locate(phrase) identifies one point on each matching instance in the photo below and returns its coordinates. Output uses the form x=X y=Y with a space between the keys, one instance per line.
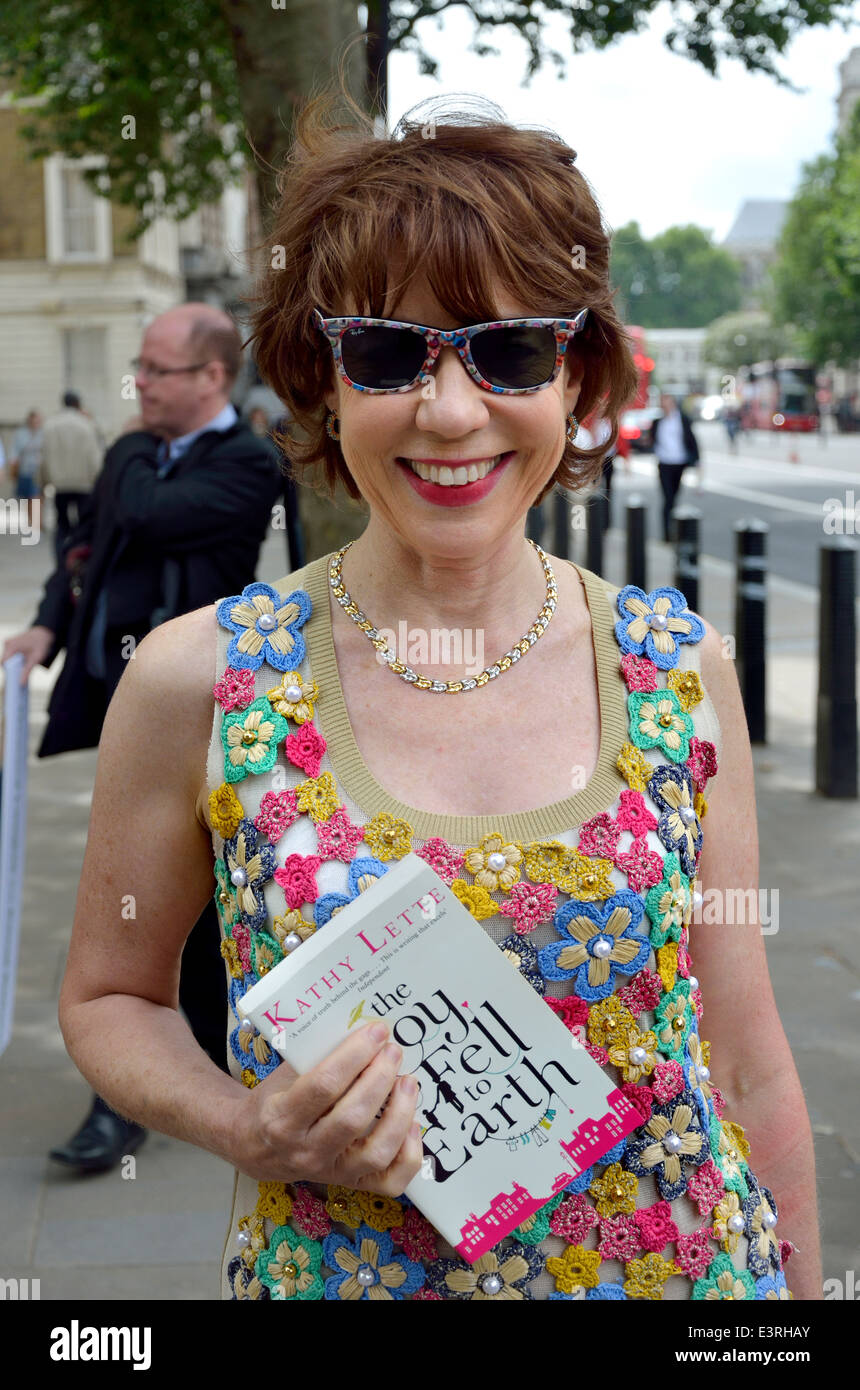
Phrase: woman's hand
x=323 y=1126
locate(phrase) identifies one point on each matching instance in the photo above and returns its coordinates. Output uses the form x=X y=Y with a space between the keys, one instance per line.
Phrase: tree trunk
x=282 y=56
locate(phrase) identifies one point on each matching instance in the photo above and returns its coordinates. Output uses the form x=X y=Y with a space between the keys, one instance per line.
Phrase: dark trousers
x=68 y=505
x=670 y=482
x=202 y=979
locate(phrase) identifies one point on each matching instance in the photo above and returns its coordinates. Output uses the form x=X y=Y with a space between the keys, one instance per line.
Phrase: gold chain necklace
x=405 y=672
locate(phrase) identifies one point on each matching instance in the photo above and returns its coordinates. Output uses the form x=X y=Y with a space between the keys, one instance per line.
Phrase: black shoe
x=102 y=1140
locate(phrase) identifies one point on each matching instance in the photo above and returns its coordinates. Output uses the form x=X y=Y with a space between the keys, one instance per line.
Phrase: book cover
x=512 y=1108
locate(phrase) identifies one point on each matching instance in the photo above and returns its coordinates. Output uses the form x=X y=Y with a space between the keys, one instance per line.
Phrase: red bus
x=779 y=396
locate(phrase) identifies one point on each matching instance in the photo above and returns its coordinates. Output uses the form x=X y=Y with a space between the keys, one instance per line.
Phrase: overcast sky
x=660 y=140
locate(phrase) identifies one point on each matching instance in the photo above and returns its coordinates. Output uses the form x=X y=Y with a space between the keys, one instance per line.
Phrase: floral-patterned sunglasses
x=509 y=356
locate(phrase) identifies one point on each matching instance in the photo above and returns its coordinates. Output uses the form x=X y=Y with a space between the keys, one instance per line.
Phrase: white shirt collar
x=224 y=420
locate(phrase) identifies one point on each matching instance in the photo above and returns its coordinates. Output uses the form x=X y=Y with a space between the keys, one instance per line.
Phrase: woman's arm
x=146 y=876
x=751 y=1061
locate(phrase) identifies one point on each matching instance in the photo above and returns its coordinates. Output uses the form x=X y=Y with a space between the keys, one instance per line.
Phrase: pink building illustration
x=596 y=1136
x=507 y=1210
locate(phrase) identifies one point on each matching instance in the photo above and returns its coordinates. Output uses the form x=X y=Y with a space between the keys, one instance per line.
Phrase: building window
x=78 y=221
x=85 y=368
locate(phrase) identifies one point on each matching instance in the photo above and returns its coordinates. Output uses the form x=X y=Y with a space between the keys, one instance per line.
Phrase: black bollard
x=687 y=523
x=836 y=718
x=636 y=560
x=750 y=622
x=595 y=524
x=561 y=525
x=534 y=524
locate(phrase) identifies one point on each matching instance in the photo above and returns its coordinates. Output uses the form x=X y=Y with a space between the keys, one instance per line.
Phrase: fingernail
x=379 y=1032
x=410 y=1086
x=394 y=1052
x=416 y=1131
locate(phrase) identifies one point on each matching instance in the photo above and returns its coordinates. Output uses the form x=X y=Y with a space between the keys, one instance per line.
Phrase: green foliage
x=816 y=279
x=206 y=79
x=738 y=340
x=167 y=64
x=679 y=279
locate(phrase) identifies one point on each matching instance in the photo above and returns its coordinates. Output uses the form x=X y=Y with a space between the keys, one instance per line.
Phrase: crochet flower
x=363 y=871
x=572 y=1011
x=244 y=1282
x=656 y=1226
x=687 y=686
x=673 y=1020
x=225 y=810
x=548 y=861
x=524 y=958
x=297 y=877
x=607 y=1019
x=671 y=1141
x=573 y=1218
x=252 y=1051
x=668 y=1081
x=640 y=1096
x=646 y=1278
x=667 y=965
x=728 y=1222
x=723 y=1282
x=380 y=1213
x=250 y=739
x=475 y=899
x=615 y=1191
x=494 y=863
x=706 y=1187
x=702 y=762
x=641 y=865
x=286 y=926
x=338 y=838
x=642 y=993
x=634 y=767
x=294 y=697
x=274 y=1203
x=265 y=953
x=234 y=690
x=416 y=1235
x=655 y=624
x=575 y=1269
x=530 y=904
x=729 y=1149
x=305 y=749
x=242 y=942
x=657 y=721
x=633 y=814
x=388 y=837
x=290 y=1265
x=499 y=1274
x=602 y=941
x=693 y=1253
x=309 y=1214
x=251 y=1238
x=587 y=879
x=599 y=837
x=318 y=797
x=226 y=900
x=266 y=627
x=230 y=955
x=619 y=1238
x=442 y=859
x=603 y=1292
x=760 y=1214
x=278 y=811
x=773 y=1288
x=535 y=1228
x=669 y=903
x=342 y=1205
x=696 y=1070
x=639 y=672
x=671 y=789
x=249 y=864
x=634 y=1053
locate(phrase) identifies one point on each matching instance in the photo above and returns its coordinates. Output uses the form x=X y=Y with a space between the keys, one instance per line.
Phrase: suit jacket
x=690 y=442
x=205 y=521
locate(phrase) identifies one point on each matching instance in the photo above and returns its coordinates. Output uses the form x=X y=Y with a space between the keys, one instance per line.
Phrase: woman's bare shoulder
x=178 y=658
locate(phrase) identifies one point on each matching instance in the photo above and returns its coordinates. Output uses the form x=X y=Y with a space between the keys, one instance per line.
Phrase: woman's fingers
x=355 y=1113
x=319 y=1090
x=374 y=1154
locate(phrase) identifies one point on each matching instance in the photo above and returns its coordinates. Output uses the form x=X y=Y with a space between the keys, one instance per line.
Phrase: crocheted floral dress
x=300 y=827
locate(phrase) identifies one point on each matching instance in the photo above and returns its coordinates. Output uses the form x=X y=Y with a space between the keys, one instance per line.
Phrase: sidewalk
x=160 y=1235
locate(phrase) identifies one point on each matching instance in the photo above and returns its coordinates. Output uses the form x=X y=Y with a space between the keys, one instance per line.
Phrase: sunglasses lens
x=515 y=358
x=381 y=357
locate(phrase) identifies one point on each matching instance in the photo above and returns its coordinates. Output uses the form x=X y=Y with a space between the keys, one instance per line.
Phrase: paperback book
x=512 y=1108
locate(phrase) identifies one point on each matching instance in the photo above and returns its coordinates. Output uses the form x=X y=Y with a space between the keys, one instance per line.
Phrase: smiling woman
x=442 y=315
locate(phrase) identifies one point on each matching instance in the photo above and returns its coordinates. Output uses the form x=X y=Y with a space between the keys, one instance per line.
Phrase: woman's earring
x=332 y=426
x=572 y=428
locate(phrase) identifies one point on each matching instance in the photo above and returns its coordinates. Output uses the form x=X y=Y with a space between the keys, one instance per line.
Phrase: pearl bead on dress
x=602 y=948
x=496 y=862
x=291 y=941
x=266 y=622
x=239 y=878
x=366 y=1275
x=293 y=694
x=735 y=1223
x=490 y=1284
x=672 y=1142
x=658 y=621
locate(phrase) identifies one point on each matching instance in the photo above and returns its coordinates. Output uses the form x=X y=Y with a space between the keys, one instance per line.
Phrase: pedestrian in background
x=674 y=443
x=176 y=518
x=26 y=462
x=72 y=457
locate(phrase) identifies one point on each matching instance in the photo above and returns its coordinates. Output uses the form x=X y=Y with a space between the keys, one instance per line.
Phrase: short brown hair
x=460 y=196
x=214 y=337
